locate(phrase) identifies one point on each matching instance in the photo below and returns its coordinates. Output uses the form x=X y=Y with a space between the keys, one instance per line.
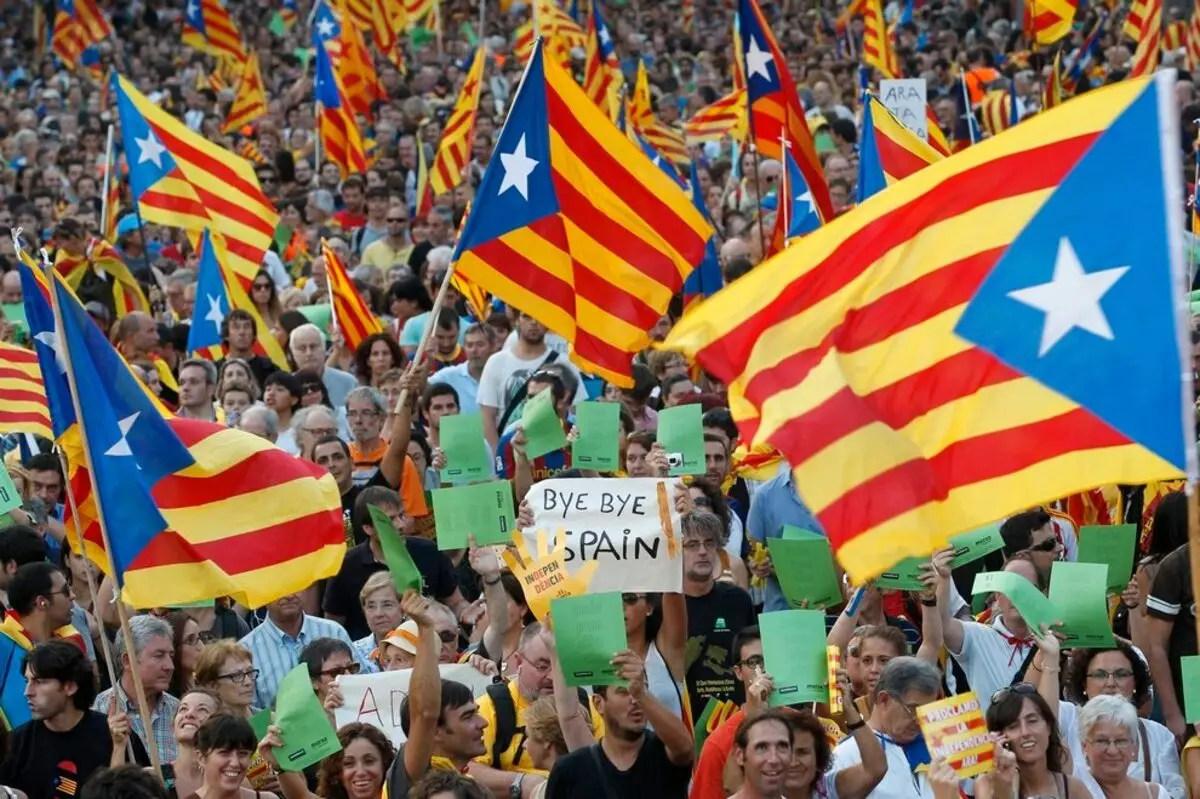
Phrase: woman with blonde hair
x=544 y=739
x=227 y=668
x=381 y=607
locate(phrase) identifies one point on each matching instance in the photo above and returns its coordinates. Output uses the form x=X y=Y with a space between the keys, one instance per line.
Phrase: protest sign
x=906 y=99
x=597 y=447
x=1031 y=603
x=375 y=699
x=955 y=730
x=543 y=572
x=303 y=725
x=484 y=510
x=466 y=452
x=405 y=574
x=794 y=652
x=1077 y=591
x=629 y=528
x=1113 y=545
x=969 y=546
x=1190 y=668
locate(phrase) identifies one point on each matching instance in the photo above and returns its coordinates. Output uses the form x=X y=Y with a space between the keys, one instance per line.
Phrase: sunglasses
x=1049 y=545
x=397 y=221
x=632 y=599
x=338 y=671
x=262 y=286
x=1020 y=689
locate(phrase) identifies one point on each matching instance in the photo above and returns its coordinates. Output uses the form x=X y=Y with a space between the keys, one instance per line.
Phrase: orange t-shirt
x=412 y=490
x=707 y=781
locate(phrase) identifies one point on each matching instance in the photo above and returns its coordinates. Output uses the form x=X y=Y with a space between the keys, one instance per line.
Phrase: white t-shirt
x=1164 y=757
x=898 y=782
x=988 y=660
x=553 y=341
x=505 y=373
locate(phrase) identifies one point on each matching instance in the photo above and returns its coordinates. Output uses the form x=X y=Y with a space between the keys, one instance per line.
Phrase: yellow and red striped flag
x=249 y=150
x=1174 y=35
x=664 y=138
x=476 y=298
x=1138 y=11
x=602 y=71
x=419 y=11
x=78 y=25
x=103 y=258
x=1047 y=21
x=937 y=139
x=1052 y=94
x=351 y=60
x=181 y=179
x=389 y=21
x=889 y=151
x=112 y=203
x=359 y=12
x=996 y=111
x=556 y=28
x=352 y=315
x=250 y=102
x=575 y=226
x=454 y=150
x=855 y=352
x=1148 y=52
x=209 y=28
x=247 y=520
x=1191 y=38
x=424 y=186
x=727 y=116
x=341 y=141
x=23 y=406
x=877 y=45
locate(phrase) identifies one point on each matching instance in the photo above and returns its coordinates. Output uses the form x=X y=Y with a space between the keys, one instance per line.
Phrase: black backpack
x=506 y=721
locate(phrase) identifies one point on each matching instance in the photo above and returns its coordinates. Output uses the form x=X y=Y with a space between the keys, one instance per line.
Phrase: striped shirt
x=162 y=721
x=276 y=653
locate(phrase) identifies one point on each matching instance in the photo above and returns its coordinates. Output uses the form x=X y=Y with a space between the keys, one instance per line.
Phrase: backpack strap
x=1145 y=750
x=521 y=394
x=506 y=720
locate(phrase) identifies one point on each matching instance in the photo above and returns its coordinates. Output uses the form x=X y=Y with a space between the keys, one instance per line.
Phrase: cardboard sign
x=906 y=99
x=628 y=528
x=375 y=699
x=955 y=730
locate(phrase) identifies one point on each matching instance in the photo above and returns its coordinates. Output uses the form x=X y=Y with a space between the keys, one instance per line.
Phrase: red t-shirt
x=349 y=220
x=707 y=782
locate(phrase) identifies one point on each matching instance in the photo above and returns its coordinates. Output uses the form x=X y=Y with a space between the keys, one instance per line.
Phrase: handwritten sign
x=906 y=99
x=375 y=699
x=955 y=730
x=629 y=528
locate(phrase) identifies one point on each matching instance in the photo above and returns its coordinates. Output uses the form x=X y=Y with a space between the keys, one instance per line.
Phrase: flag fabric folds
x=662 y=137
x=877 y=45
x=573 y=225
x=560 y=33
x=78 y=24
x=247 y=520
x=352 y=61
x=997 y=111
x=352 y=315
x=341 y=141
x=205 y=339
x=802 y=216
x=1138 y=11
x=1052 y=92
x=209 y=28
x=888 y=151
x=130 y=448
x=23 y=406
x=180 y=179
x=602 y=71
x=250 y=101
x=706 y=279
x=775 y=109
x=454 y=150
x=1191 y=38
x=1149 y=50
x=723 y=117
x=1047 y=21
x=102 y=258
x=934 y=359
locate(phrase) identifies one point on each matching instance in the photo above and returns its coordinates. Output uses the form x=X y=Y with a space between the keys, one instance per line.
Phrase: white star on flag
x=193 y=10
x=325 y=28
x=49 y=338
x=757 y=60
x=150 y=149
x=121 y=448
x=804 y=199
x=215 y=314
x=1071 y=299
x=517 y=168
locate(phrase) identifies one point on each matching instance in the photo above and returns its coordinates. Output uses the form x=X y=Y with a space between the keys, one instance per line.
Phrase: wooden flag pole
x=91 y=581
x=105 y=210
x=762 y=231
x=126 y=632
x=783 y=198
x=419 y=357
x=482 y=20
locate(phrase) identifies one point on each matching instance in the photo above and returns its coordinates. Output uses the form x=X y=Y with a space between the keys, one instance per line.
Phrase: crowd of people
x=1069 y=723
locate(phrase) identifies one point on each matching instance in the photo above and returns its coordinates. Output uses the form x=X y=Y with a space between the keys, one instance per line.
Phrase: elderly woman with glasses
x=1119 y=672
x=226 y=668
x=1109 y=731
x=381 y=608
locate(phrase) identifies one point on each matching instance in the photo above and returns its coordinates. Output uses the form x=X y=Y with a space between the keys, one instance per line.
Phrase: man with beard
x=630 y=761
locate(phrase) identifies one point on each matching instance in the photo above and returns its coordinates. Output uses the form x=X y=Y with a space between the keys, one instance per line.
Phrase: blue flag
x=212 y=302
x=706 y=279
x=130 y=446
x=802 y=216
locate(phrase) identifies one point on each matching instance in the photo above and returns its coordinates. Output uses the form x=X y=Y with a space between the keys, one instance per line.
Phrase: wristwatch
x=514 y=790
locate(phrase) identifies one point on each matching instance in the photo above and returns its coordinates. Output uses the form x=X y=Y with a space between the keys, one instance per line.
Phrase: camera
x=675 y=460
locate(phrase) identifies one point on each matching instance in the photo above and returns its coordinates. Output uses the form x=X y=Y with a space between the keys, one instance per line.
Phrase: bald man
x=10 y=288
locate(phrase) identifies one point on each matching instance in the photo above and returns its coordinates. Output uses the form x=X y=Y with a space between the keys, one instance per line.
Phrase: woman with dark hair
x=1027 y=727
x=439 y=783
x=224 y=747
x=312 y=390
x=406 y=298
x=265 y=296
x=1119 y=671
x=377 y=354
x=356 y=772
x=187 y=649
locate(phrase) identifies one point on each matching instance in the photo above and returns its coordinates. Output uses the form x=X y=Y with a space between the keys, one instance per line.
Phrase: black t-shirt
x=341 y=594
x=48 y=765
x=1171 y=599
x=355 y=534
x=652 y=776
x=714 y=620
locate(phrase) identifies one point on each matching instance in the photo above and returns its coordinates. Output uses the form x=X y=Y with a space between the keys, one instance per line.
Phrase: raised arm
x=668 y=726
x=572 y=716
x=953 y=631
x=932 y=638
x=425 y=689
x=392 y=465
x=487 y=565
x=857 y=781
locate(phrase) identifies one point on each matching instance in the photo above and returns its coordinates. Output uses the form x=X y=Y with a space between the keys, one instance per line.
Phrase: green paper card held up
x=1113 y=545
x=1031 y=603
x=543 y=429
x=596 y=448
x=9 y=496
x=260 y=721
x=793 y=644
x=462 y=442
x=588 y=631
x=405 y=573
x=805 y=570
x=969 y=546
x=1190 y=669
x=681 y=432
x=1078 y=591
x=308 y=737
x=484 y=510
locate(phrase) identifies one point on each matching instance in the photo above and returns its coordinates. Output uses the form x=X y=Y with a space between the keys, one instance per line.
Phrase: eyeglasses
x=240 y=677
x=1111 y=743
x=65 y=591
x=262 y=286
x=1021 y=689
x=397 y=221
x=697 y=543
x=338 y=671
x=1049 y=545
x=448 y=636
x=311 y=388
x=1105 y=676
x=267 y=179
x=753 y=662
x=632 y=599
x=321 y=432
